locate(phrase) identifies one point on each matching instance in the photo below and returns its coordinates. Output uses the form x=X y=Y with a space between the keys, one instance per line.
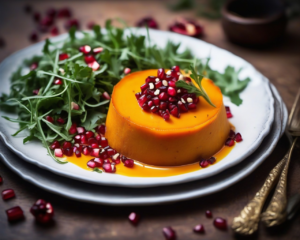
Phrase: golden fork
x=247 y=222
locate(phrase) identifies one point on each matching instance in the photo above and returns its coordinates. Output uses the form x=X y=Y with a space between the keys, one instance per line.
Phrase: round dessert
x=147 y=137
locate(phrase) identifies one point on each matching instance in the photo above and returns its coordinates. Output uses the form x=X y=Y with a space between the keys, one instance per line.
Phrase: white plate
x=127 y=196
x=253 y=118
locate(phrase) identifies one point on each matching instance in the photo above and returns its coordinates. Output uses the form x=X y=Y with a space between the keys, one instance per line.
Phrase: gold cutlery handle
x=276 y=212
x=247 y=222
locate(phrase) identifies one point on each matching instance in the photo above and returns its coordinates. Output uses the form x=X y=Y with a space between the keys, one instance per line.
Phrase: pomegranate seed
x=83 y=139
x=103 y=154
x=199 y=228
x=161 y=73
x=204 y=163
x=91 y=25
x=208 y=214
x=238 y=137
x=142 y=100
x=158 y=85
x=77 y=139
x=14 y=214
x=64 y=13
x=51 y=12
x=229 y=142
x=171 y=91
x=73 y=129
x=150 y=104
x=163 y=105
x=91 y=164
x=211 y=160
x=58 y=82
x=86 y=49
x=89 y=134
x=46 y=21
x=72 y=23
x=109 y=168
x=54 y=31
x=92 y=140
x=99 y=162
x=127 y=70
x=150 y=79
x=7 y=194
x=173 y=85
x=36 y=92
x=156 y=101
x=97 y=50
x=166 y=116
x=176 y=68
x=191 y=105
x=63 y=56
x=66 y=144
x=87 y=150
x=134 y=218
x=34 y=66
x=175 y=112
x=54 y=145
x=116 y=156
x=144 y=86
x=33 y=37
x=60 y=120
x=187 y=27
x=95 y=152
x=68 y=152
x=50 y=119
x=111 y=152
x=58 y=152
x=1 y=180
x=163 y=96
x=77 y=147
x=169 y=233
x=94 y=145
x=101 y=129
x=103 y=142
x=89 y=59
x=231 y=134
x=154 y=109
x=220 y=223
x=106 y=96
x=229 y=115
x=42 y=211
x=128 y=163
x=147 y=21
x=80 y=130
x=36 y=17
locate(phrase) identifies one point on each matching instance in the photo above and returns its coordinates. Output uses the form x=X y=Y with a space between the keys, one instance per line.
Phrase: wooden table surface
x=76 y=220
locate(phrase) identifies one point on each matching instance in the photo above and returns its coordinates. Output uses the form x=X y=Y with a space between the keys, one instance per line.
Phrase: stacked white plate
x=261 y=119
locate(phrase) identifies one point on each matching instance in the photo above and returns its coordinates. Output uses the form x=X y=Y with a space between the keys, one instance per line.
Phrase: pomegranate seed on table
x=229 y=142
x=86 y=49
x=33 y=37
x=14 y=214
x=54 y=145
x=238 y=137
x=54 y=31
x=63 y=56
x=58 y=152
x=51 y=12
x=42 y=211
x=72 y=23
x=60 y=120
x=64 y=13
x=134 y=218
x=169 y=233
x=147 y=21
x=187 y=27
x=8 y=194
x=199 y=228
x=46 y=21
x=109 y=168
x=208 y=214
x=36 y=16
x=220 y=223
x=50 y=119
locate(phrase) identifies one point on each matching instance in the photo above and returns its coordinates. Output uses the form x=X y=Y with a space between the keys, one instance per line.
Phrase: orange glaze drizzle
x=144 y=170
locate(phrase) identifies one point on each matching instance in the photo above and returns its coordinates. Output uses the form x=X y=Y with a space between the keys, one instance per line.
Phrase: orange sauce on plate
x=144 y=170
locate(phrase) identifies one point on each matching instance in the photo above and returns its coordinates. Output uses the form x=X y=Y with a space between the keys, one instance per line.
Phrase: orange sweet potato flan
x=148 y=138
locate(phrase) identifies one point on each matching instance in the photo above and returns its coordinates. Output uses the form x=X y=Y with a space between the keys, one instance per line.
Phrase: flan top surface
x=125 y=103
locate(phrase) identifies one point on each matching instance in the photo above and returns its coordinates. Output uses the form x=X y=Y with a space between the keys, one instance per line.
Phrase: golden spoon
x=247 y=222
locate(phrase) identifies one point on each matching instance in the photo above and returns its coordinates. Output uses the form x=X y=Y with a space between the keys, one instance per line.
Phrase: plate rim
x=166 y=180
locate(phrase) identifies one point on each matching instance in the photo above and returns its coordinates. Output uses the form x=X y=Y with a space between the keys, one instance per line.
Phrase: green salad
x=83 y=93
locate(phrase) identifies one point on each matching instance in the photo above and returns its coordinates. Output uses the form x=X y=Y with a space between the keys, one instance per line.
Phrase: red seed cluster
x=89 y=57
x=233 y=137
x=42 y=211
x=160 y=95
x=206 y=162
x=91 y=143
x=147 y=21
x=187 y=27
x=228 y=112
